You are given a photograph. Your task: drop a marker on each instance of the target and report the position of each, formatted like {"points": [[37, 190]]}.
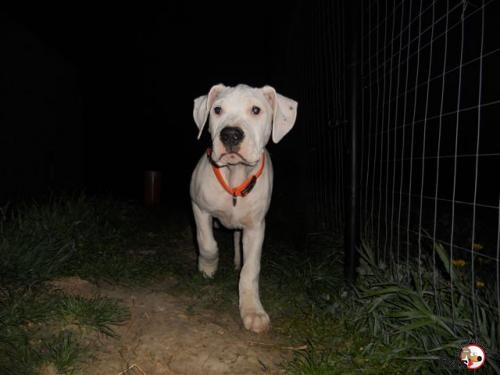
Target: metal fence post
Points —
{"points": [[352, 232]]}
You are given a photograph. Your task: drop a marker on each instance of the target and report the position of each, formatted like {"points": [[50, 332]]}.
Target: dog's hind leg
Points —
{"points": [[237, 249], [208, 259]]}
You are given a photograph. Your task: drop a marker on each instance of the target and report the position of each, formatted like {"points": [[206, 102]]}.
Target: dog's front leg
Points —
{"points": [[252, 313], [209, 254]]}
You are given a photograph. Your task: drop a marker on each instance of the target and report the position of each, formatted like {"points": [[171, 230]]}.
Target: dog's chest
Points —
{"points": [[243, 212], [237, 216], [239, 211]]}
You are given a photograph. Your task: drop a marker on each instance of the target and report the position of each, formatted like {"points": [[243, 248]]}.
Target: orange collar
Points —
{"points": [[243, 189]]}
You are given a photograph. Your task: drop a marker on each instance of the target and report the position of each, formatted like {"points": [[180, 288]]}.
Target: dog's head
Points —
{"points": [[242, 119]]}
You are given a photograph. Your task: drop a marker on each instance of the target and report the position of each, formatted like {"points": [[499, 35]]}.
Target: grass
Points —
{"points": [[41, 328], [97, 313], [394, 320], [413, 312], [45, 327], [397, 320]]}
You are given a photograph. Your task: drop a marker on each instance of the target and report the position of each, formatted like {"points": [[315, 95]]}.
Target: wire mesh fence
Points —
{"points": [[429, 154]]}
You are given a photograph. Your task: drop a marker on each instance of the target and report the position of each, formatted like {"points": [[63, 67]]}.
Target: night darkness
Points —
{"points": [[93, 97]]}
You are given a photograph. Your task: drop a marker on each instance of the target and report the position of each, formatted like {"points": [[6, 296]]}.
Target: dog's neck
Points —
{"points": [[236, 174]]}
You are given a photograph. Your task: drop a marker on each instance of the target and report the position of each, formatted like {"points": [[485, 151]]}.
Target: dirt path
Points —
{"points": [[163, 336]]}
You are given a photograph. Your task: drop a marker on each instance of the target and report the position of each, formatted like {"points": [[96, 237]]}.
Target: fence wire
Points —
{"points": [[429, 154]]}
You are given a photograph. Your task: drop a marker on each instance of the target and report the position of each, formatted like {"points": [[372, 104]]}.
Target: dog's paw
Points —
{"points": [[207, 268], [257, 322]]}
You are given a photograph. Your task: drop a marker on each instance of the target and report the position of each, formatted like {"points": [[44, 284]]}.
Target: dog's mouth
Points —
{"points": [[233, 158]]}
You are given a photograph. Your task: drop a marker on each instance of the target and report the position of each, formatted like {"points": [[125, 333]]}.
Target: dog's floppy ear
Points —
{"points": [[284, 112], [203, 104]]}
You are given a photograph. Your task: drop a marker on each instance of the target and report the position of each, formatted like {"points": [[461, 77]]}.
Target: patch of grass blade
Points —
{"points": [[418, 314], [63, 352], [99, 314], [38, 328]]}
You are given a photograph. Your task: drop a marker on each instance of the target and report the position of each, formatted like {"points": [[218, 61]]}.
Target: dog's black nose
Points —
{"points": [[479, 358], [231, 136]]}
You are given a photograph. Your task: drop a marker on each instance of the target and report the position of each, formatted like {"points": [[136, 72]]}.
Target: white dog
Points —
{"points": [[234, 180]]}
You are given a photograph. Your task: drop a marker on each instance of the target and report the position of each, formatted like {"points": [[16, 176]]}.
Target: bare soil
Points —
{"points": [[166, 335]]}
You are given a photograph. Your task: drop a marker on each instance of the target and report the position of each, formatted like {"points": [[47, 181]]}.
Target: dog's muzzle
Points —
{"points": [[231, 137]]}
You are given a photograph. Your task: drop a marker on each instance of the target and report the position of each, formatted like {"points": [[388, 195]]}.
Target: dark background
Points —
{"points": [[92, 96]]}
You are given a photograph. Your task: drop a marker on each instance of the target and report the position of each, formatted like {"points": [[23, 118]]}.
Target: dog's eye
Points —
{"points": [[255, 110], [217, 110]]}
